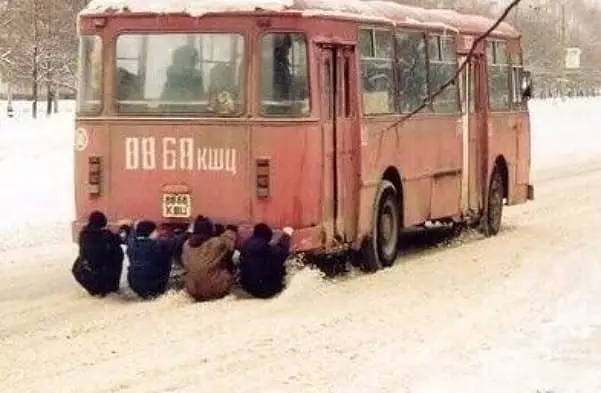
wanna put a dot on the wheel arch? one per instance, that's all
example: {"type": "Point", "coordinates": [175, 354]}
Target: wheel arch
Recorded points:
{"type": "Point", "coordinates": [392, 175]}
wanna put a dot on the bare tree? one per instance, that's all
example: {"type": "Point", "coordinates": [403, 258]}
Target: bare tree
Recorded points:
{"type": "Point", "coordinates": [41, 47]}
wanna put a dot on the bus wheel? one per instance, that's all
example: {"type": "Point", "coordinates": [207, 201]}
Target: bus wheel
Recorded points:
{"type": "Point", "coordinates": [380, 249]}
{"type": "Point", "coordinates": [492, 219]}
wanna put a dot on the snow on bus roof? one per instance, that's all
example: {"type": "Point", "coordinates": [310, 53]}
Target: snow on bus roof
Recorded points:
{"type": "Point", "coordinates": [371, 10]}
{"type": "Point", "coordinates": [470, 23]}
{"type": "Point", "coordinates": [191, 7]}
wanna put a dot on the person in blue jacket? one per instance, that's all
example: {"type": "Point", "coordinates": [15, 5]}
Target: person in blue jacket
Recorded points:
{"type": "Point", "coordinates": [150, 260]}
{"type": "Point", "coordinates": [262, 270]}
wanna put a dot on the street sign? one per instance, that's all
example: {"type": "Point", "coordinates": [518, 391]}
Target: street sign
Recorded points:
{"type": "Point", "coordinates": [572, 60]}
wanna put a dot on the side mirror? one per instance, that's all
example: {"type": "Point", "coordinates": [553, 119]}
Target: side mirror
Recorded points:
{"type": "Point", "coordinates": [526, 85]}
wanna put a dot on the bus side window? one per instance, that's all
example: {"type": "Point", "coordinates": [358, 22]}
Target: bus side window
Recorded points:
{"type": "Point", "coordinates": [442, 66]}
{"type": "Point", "coordinates": [498, 78]}
{"type": "Point", "coordinates": [516, 81]}
{"type": "Point", "coordinates": [411, 70]}
{"type": "Point", "coordinates": [284, 82]}
{"type": "Point", "coordinates": [377, 55]}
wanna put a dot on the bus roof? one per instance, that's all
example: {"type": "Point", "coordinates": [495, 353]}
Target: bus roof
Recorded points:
{"type": "Point", "coordinates": [371, 10]}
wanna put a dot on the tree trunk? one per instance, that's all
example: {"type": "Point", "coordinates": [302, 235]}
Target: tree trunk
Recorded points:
{"type": "Point", "coordinates": [35, 71]}
{"type": "Point", "coordinates": [34, 83]}
{"type": "Point", "coordinates": [49, 99]}
{"type": "Point", "coordinates": [56, 97]}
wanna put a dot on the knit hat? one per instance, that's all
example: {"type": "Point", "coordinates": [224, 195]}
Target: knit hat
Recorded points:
{"type": "Point", "coordinates": [203, 226]}
{"type": "Point", "coordinates": [219, 229]}
{"type": "Point", "coordinates": [97, 220]}
{"type": "Point", "coordinates": [145, 228]}
{"type": "Point", "coordinates": [262, 231]}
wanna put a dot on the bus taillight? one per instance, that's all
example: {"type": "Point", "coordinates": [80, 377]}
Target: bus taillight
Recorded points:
{"type": "Point", "coordinates": [94, 175]}
{"type": "Point", "coordinates": [263, 178]}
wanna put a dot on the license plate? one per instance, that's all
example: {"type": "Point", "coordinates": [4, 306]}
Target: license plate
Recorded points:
{"type": "Point", "coordinates": [176, 206]}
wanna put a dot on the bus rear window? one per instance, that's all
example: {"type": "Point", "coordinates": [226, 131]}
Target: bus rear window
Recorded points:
{"type": "Point", "coordinates": [200, 74]}
{"type": "Point", "coordinates": [284, 81]}
{"type": "Point", "coordinates": [89, 92]}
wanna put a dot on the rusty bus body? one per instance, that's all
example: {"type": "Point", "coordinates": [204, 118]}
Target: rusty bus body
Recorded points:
{"type": "Point", "coordinates": [322, 161]}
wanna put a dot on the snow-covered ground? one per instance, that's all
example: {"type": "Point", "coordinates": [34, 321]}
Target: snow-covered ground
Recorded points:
{"type": "Point", "coordinates": [36, 174]}
{"type": "Point", "coordinates": [565, 131]}
{"type": "Point", "coordinates": [516, 313]}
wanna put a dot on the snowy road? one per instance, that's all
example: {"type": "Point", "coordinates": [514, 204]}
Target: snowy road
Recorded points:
{"type": "Point", "coordinates": [520, 312]}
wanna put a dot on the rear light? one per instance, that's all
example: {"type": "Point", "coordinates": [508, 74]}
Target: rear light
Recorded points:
{"type": "Point", "coordinates": [263, 178]}
{"type": "Point", "coordinates": [94, 175]}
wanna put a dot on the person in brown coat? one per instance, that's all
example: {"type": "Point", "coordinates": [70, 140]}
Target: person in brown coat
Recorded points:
{"type": "Point", "coordinates": [208, 267]}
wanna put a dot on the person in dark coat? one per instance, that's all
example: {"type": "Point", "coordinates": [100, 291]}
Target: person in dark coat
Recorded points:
{"type": "Point", "coordinates": [98, 266]}
{"type": "Point", "coordinates": [262, 264]}
{"type": "Point", "coordinates": [149, 260]}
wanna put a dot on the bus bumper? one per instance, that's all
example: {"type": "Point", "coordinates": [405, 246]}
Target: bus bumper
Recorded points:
{"type": "Point", "coordinates": [303, 239]}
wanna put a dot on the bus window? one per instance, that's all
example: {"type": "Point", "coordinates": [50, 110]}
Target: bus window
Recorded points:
{"type": "Point", "coordinates": [163, 74]}
{"type": "Point", "coordinates": [327, 90]}
{"type": "Point", "coordinates": [284, 81]}
{"type": "Point", "coordinates": [498, 69]}
{"type": "Point", "coordinates": [89, 96]}
{"type": "Point", "coordinates": [411, 66]}
{"type": "Point", "coordinates": [346, 80]}
{"type": "Point", "coordinates": [516, 80]}
{"type": "Point", "coordinates": [442, 67]}
{"type": "Point", "coordinates": [377, 55]}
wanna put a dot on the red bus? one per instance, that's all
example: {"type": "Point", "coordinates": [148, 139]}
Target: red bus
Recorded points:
{"type": "Point", "coordinates": [288, 113]}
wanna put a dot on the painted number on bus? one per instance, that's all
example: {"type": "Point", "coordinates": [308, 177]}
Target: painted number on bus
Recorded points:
{"type": "Point", "coordinates": [171, 154]}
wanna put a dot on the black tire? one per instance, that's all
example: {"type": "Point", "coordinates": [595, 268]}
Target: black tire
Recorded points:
{"type": "Point", "coordinates": [491, 222]}
{"type": "Point", "coordinates": [381, 248]}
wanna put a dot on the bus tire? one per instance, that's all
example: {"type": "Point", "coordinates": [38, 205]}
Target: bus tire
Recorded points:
{"type": "Point", "coordinates": [381, 248]}
{"type": "Point", "coordinates": [491, 223]}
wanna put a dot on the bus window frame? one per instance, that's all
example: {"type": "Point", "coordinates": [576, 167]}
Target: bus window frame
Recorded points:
{"type": "Point", "coordinates": [431, 90]}
{"type": "Point", "coordinates": [246, 60]}
{"type": "Point", "coordinates": [103, 53]}
{"type": "Point", "coordinates": [400, 97]}
{"type": "Point", "coordinates": [516, 91]}
{"type": "Point", "coordinates": [360, 58]}
{"type": "Point", "coordinates": [493, 63]}
{"type": "Point", "coordinates": [257, 93]}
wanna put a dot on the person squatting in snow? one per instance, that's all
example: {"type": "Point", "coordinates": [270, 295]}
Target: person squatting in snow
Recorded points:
{"type": "Point", "coordinates": [205, 253]}
{"type": "Point", "coordinates": [150, 260]}
{"type": "Point", "coordinates": [99, 262]}
{"type": "Point", "coordinates": [262, 262]}
{"type": "Point", "coordinates": [207, 260]}
{"type": "Point", "coordinates": [209, 269]}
